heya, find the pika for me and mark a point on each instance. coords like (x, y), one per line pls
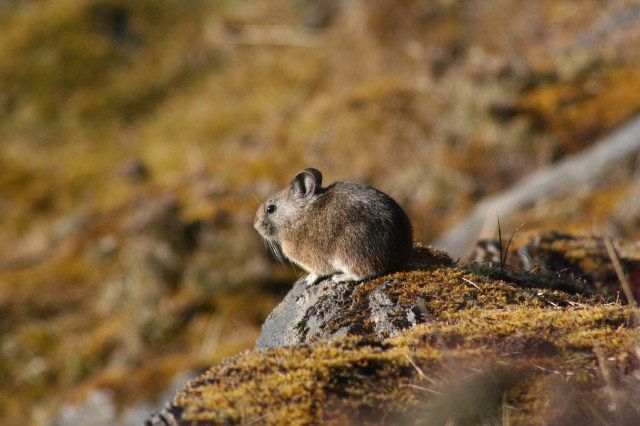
(347, 230)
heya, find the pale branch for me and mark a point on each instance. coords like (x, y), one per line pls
(579, 169)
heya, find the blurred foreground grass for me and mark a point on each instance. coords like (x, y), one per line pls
(138, 137)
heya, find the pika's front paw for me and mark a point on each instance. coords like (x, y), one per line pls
(311, 279)
(340, 278)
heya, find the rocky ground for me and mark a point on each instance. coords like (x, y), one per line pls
(440, 344)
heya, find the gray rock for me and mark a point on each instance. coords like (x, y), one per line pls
(326, 310)
(390, 318)
(99, 408)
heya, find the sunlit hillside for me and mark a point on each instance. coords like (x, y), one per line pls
(137, 138)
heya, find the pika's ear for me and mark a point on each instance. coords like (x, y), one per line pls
(306, 183)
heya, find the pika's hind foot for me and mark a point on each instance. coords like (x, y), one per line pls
(340, 278)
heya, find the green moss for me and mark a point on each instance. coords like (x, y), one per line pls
(530, 280)
(494, 345)
(375, 382)
(441, 288)
(572, 263)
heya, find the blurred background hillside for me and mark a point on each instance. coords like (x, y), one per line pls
(137, 138)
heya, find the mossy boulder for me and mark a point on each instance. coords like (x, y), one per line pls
(377, 308)
(439, 343)
(570, 257)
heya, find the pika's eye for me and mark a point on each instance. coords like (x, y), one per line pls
(271, 208)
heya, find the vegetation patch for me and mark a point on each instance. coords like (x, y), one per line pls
(434, 371)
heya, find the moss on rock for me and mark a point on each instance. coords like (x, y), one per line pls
(488, 349)
(581, 261)
(377, 382)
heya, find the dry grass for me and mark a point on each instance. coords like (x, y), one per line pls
(418, 100)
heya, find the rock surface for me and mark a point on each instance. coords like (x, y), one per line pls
(304, 313)
(310, 312)
(99, 408)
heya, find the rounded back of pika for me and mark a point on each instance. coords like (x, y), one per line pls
(347, 227)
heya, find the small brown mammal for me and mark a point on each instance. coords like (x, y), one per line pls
(348, 230)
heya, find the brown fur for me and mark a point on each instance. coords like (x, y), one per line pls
(346, 228)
